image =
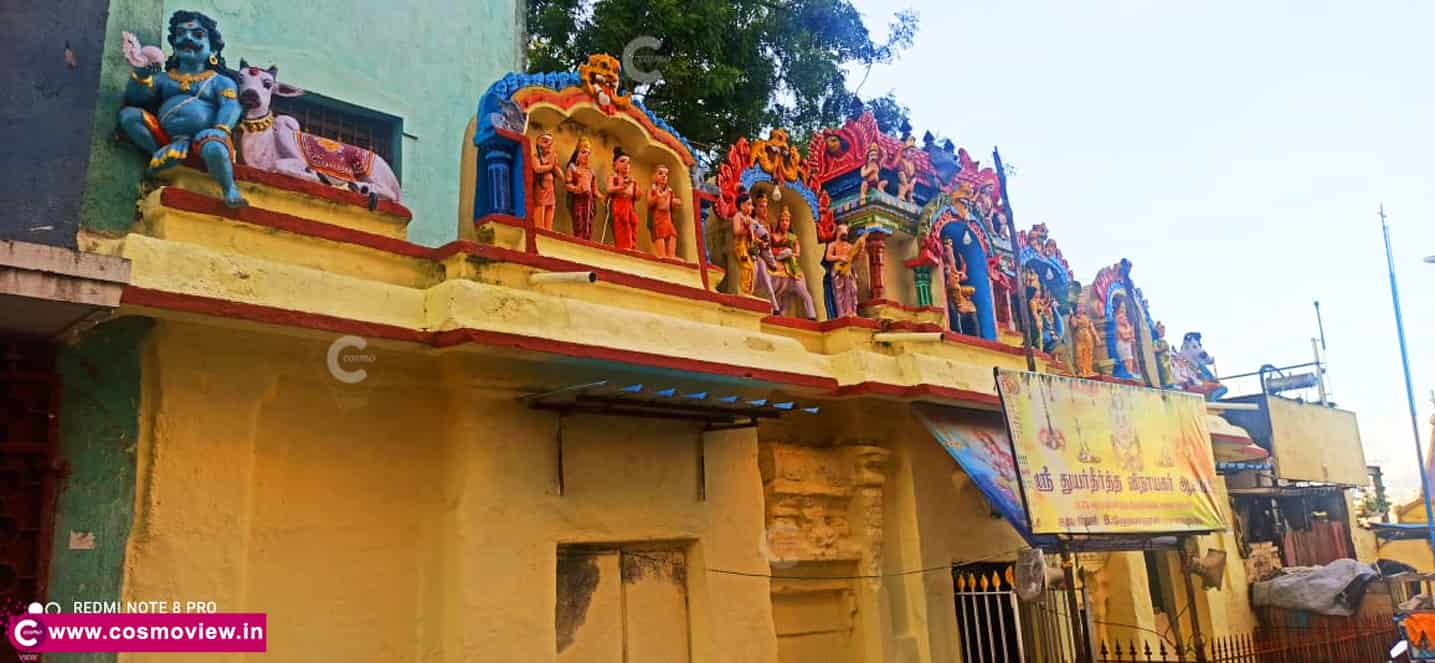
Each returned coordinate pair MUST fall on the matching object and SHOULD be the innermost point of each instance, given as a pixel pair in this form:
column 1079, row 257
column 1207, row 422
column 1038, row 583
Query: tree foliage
column 730, row 68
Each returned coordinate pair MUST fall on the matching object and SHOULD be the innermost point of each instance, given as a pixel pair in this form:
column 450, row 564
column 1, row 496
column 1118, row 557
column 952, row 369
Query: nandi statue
column 1191, row 368
column 276, row 143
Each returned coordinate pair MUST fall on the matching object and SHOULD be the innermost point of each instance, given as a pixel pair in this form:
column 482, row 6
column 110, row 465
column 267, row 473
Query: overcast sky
column 1235, row 152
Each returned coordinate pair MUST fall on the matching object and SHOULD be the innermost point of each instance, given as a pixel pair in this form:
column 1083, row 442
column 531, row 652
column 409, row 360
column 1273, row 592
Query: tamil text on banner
column 1100, row 458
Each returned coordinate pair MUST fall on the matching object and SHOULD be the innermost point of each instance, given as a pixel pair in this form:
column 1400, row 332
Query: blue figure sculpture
column 191, row 106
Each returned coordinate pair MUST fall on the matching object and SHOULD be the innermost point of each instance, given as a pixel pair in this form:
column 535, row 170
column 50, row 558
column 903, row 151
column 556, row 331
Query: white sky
column 1235, row 152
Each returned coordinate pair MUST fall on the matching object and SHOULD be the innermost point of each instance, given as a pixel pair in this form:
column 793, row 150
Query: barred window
column 338, row 120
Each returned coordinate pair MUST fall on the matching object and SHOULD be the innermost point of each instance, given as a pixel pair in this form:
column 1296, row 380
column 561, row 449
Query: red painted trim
column 898, row 305
column 870, row 388
column 699, row 241
column 529, row 224
column 189, row 201
column 137, row 296
column 613, row 249
column 245, row 173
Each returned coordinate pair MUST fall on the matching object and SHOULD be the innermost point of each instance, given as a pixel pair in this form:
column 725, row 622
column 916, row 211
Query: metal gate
column 29, row 427
column 996, row 627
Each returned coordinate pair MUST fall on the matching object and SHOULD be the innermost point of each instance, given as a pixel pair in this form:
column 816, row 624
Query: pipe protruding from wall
column 907, row 337
column 563, row 277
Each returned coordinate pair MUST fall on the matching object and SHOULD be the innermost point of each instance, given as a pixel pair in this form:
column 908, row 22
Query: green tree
column 730, row 68
column 891, row 116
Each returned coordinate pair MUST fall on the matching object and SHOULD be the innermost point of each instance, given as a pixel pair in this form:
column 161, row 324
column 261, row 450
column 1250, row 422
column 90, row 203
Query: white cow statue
column 276, row 143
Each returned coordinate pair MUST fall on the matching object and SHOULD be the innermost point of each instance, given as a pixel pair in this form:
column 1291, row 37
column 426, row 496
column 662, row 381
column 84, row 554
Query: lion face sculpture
column 777, row 157
column 600, row 79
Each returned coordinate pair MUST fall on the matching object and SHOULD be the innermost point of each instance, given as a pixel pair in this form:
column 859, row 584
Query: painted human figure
column 1162, row 348
column 1083, row 338
column 1125, row 340
column 195, row 106
column 964, row 310
column 623, row 191
column 788, row 277
column 759, row 208
column 907, row 172
column 662, row 201
column 742, row 244
column 545, row 169
column 764, row 263
column 1051, row 324
column 1125, row 442
column 871, row 174
column 581, row 184
column 1034, row 298
column 841, row 251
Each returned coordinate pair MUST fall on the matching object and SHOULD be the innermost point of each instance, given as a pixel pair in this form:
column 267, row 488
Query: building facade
column 558, row 400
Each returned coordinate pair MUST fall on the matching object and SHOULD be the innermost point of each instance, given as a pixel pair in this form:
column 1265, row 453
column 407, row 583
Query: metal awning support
column 712, row 412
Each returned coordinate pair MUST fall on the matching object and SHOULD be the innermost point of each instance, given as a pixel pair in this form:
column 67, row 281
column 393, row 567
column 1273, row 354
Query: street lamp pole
column 1409, row 389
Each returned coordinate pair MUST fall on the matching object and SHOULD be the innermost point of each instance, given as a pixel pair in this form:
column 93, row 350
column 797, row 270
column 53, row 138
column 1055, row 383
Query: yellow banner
column 1100, row 458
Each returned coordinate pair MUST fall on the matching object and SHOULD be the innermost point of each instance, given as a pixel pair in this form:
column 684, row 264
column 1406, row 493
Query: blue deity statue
column 190, row 106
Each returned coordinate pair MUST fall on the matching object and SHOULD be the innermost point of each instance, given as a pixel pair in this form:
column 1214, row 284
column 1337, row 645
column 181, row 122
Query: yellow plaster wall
column 415, row 515
column 1415, row 552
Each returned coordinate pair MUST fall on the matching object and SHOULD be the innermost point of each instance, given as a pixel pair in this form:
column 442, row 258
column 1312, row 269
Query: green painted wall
column 112, row 180
column 99, row 429
column 424, row 62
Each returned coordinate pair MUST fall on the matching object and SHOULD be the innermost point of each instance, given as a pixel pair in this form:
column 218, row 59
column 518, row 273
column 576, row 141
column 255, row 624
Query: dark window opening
column 330, row 118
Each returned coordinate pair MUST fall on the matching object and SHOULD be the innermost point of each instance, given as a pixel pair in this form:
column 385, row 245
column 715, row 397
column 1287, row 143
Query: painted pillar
column 99, row 431
column 876, row 264
column 498, row 168
column 922, row 277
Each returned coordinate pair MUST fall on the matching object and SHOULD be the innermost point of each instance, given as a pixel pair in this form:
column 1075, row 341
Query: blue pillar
column 498, row 166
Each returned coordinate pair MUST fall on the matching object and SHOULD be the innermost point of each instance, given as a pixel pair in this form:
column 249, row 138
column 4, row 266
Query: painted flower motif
column 1052, row 439
column 1011, row 385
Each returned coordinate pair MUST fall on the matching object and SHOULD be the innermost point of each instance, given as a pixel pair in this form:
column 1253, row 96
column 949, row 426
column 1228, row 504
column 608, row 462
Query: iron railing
column 1359, row 641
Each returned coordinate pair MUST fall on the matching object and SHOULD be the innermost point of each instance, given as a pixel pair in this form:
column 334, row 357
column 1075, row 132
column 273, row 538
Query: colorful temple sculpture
column 627, row 411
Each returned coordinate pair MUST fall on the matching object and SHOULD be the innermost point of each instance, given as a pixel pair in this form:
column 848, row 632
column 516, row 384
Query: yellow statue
column 961, row 295
column 777, row 157
column 1083, row 333
column 600, row 80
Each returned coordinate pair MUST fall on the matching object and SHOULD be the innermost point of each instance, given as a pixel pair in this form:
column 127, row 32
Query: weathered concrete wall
column 425, row 65
column 99, row 430
column 116, row 166
column 46, row 114
column 415, row 515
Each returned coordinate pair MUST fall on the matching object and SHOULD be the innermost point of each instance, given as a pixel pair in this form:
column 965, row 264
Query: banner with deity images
column 1100, row 458
column 982, row 449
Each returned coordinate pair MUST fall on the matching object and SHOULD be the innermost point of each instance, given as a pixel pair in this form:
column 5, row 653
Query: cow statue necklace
column 257, row 125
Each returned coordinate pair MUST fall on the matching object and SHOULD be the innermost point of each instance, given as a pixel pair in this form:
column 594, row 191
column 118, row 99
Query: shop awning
column 1232, row 444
